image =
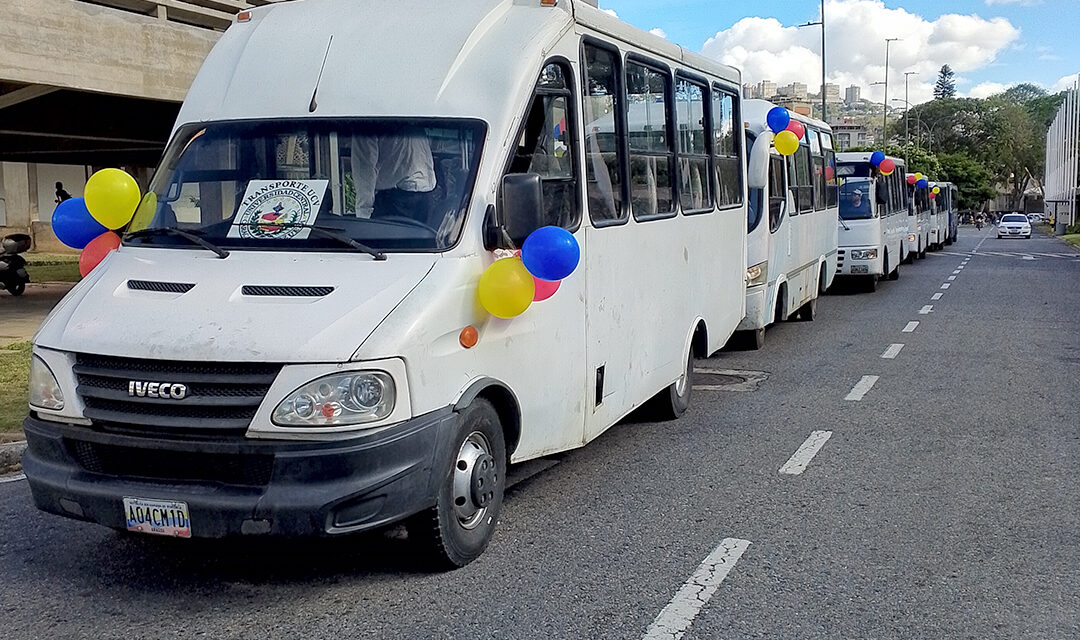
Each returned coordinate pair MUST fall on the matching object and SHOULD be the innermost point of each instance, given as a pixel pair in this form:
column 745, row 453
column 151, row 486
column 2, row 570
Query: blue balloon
column 921, row 183
column 550, row 253
column 73, row 224
column 877, row 157
column 778, row 119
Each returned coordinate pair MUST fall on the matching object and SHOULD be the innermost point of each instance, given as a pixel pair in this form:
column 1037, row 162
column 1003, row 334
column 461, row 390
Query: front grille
column 301, row 292
column 221, row 397
column 248, row 469
column 840, row 259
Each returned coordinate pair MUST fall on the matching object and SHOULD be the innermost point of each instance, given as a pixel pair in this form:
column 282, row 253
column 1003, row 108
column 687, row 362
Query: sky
column 990, row 44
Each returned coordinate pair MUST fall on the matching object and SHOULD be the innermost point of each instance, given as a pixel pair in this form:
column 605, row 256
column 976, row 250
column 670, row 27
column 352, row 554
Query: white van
column 791, row 227
column 918, row 210
column 873, row 219
column 289, row 341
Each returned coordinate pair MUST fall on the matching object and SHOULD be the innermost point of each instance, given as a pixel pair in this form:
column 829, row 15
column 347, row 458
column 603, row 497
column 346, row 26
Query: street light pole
column 907, row 107
column 885, row 115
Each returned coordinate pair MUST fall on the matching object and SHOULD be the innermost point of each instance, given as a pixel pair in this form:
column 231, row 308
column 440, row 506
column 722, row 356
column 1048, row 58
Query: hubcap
column 684, row 379
column 476, row 477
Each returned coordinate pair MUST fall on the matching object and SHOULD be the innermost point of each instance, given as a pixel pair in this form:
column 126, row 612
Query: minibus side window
column 804, row 188
column 831, row 184
column 545, row 147
column 818, row 162
column 604, row 129
column 652, row 151
column 694, row 191
column 777, row 192
column 725, row 118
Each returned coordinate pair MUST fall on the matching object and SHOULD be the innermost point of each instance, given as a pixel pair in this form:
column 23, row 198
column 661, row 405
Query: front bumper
column 279, row 488
column 849, row 267
column 756, row 303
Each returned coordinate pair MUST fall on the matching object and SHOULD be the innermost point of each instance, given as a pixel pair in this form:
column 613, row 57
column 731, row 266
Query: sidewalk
column 20, row 316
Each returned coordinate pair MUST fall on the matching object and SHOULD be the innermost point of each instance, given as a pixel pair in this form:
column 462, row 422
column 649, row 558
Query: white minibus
column 791, row 227
column 873, row 219
column 939, row 215
column 918, row 238
column 950, row 200
column 289, row 341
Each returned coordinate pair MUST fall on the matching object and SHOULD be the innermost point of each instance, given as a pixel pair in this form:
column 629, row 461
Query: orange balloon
column 96, row 250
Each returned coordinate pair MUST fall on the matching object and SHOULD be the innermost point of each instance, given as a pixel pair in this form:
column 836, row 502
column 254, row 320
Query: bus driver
column 399, row 160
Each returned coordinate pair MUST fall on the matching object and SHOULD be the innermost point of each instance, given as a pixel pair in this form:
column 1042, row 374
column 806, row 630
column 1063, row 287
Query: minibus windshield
column 855, row 199
column 314, row 184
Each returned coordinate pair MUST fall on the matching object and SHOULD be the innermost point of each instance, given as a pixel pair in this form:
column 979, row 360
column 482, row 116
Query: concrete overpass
column 89, row 84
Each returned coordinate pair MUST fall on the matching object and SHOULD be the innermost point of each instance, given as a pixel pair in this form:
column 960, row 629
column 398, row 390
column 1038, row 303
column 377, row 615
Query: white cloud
column 765, row 49
column 1065, row 82
column 1020, row 2
column 986, row 89
column 658, row 32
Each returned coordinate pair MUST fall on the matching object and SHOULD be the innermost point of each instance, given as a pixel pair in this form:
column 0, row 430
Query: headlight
column 863, row 254
column 757, row 274
column 339, row 399
column 911, row 237
column 45, row 391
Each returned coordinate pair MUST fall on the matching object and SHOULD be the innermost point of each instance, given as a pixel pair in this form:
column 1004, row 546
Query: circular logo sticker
column 276, row 214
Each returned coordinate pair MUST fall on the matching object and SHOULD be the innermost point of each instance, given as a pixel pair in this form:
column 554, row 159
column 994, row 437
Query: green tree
column 946, row 84
column 972, row 179
column 1014, row 149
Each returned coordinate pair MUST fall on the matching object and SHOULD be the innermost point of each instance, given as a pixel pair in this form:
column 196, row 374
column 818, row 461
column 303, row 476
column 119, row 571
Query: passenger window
column 652, row 152
column 831, row 184
column 546, row 148
column 603, row 130
column 693, row 150
column 777, row 192
column 725, row 119
column 804, row 189
column 818, row 165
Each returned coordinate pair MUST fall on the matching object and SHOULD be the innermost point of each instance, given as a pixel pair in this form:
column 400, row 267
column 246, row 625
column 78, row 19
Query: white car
column 1014, row 225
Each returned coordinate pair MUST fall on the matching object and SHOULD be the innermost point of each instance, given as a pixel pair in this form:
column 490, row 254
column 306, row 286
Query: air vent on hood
column 164, row 287
column 298, row 292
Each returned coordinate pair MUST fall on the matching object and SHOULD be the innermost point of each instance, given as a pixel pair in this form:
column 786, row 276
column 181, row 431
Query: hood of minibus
column 254, row 306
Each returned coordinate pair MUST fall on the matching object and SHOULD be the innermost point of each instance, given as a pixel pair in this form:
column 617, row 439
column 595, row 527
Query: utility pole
column 824, row 114
column 907, row 107
column 885, row 115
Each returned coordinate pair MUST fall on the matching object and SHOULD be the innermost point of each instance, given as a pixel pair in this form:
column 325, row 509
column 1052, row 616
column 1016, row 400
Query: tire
column 472, row 477
column 672, row 402
column 750, row 340
column 16, row 289
column 808, row 311
column 870, row 284
column 909, row 258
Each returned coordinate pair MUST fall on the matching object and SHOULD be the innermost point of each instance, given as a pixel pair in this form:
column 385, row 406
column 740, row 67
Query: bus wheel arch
column 506, row 405
column 780, row 310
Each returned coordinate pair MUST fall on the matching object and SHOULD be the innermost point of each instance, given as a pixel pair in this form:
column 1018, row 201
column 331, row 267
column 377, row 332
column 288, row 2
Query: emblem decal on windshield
column 275, row 209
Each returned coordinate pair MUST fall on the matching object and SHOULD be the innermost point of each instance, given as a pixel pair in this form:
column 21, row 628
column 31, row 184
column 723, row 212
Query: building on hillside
column 766, row 89
column 832, row 93
column 749, row 91
column 794, row 90
column 801, row 106
column 847, row 133
column 852, row 95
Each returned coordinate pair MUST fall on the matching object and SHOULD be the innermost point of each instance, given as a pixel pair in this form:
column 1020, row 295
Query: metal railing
column 207, row 14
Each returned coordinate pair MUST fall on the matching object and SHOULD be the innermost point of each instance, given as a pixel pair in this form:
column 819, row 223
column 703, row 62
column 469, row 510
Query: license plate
column 160, row 517
column 860, row 268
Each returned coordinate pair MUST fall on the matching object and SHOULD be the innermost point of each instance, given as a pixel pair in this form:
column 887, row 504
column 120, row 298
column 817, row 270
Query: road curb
column 10, row 456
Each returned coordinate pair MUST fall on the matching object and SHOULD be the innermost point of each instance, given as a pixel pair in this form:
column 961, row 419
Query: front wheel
column 459, row 527
column 16, row 288
column 808, row 311
column 672, row 402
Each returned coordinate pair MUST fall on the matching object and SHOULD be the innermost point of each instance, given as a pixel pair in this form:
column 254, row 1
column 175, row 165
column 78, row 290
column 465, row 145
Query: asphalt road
column 942, row 504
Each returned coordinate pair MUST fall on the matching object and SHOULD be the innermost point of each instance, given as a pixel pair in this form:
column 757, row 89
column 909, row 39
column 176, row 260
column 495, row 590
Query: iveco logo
column 157, row 390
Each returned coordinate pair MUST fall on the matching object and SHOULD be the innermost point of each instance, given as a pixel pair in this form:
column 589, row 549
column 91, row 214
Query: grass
column 53, row 267
column 14, row 381
column 1073, row 239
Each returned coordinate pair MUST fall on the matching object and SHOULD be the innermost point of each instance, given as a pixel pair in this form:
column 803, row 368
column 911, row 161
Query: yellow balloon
column 936, row 189
column 111, row 197
column 507, row 288
column 786, row 142
column 144, row 215
column 918, row 176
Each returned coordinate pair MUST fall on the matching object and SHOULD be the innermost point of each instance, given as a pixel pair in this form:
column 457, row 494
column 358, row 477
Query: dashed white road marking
column 926, row 310
column 951, row 278
column 910, row 327
column 1027, row 257
column 892, row 351
column 861, row 388
column 21, row 476
column 937, row 296
column 945, row 286
column 796, row 464
column 957, row 271
column 675, row 618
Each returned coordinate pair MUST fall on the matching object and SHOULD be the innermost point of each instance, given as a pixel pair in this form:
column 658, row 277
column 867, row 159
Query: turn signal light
column 243, row 16
column 469, row 337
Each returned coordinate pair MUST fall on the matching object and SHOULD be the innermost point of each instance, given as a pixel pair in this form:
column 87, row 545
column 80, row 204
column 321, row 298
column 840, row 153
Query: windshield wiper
column 187, row 235
column 331, row 233
column 843, row 224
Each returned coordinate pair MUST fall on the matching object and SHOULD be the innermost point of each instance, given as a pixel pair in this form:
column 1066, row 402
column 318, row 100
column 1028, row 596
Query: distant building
column 832, row 93
column 766, row 89
column 749, row 91
column 798, row 105
column 849, row 133
column 852, row 94
column 794, row 90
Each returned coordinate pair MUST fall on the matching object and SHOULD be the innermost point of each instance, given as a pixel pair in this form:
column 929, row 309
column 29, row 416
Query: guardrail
column 208, row 14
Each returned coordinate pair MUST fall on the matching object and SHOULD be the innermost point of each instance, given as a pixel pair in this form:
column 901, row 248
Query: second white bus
column 873, row 219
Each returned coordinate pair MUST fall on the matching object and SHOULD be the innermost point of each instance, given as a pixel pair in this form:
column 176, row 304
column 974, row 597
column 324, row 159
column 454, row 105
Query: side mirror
column 520, row 212
column 757, row 170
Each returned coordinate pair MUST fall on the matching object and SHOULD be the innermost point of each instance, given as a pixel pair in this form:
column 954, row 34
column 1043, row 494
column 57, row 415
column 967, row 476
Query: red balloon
column 829, row 173
column 932, row 195
column 887, row 166
column 545, row 288
column 911, row 179
column 96, row 250
column 797, row 128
